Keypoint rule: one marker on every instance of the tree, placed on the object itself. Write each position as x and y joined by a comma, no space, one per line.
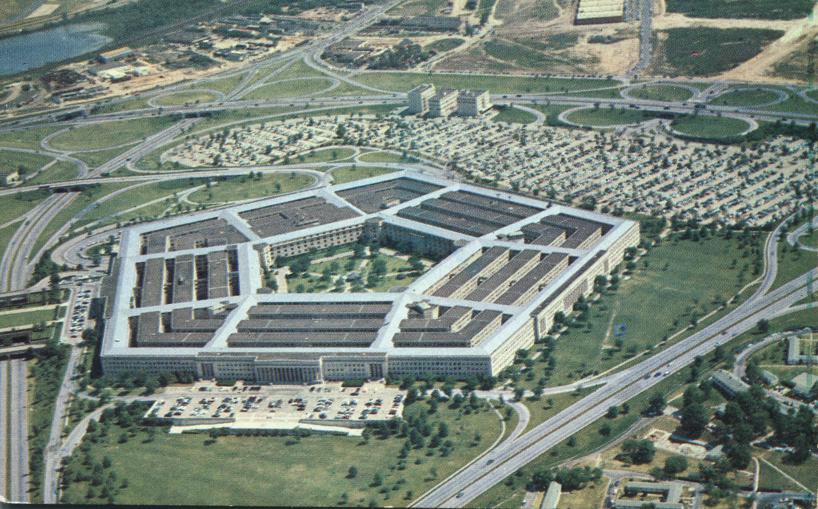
675,465
694,420
763,325
656,405
613,412
638,451
352,473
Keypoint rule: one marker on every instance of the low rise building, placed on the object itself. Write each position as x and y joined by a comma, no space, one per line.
803,384
801,350
728,383
552,497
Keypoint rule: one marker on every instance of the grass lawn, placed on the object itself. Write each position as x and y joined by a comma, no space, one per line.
58,172
271,470
418,8
795,104
136,196
513,115
745,97
667,93
5,237
97,158
22,317
792,263
552,112
381,157
607,117
703,126
86,198
771,479
806,473
761,9
223,85
403,81
26,138
325,155
192,96
14,206
443,45
244,188
687,277
702,51
290,88
130,104
109,134
588,497
15,161
548,406
351,173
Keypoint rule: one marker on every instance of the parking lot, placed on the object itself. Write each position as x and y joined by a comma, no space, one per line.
207,405
79,310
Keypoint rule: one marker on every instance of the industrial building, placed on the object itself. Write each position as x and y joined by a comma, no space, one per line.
189,291
600,11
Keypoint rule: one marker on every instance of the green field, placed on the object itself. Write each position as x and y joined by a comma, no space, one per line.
418,8
109,134
403,81
514,115
22,162
325,155
271,471
194,97
98,157
745,97
443,45
26,138
607,117
65,215
14,206
5,237
290,88
58,172
795,104
668,93
351,173
761,9
135,197
702,51
681,283
552,112
24,318
129,104
793,262
243,188
701,126
381,157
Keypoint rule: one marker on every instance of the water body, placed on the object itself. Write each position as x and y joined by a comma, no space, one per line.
21,53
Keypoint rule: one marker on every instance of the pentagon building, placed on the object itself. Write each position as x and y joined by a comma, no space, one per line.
189,293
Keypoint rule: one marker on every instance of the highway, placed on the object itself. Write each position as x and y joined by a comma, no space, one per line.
4,431
18,433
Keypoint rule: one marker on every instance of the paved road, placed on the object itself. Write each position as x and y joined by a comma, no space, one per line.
18,433
4,432
645,37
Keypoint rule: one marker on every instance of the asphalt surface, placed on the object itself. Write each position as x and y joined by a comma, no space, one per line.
4,432
18,433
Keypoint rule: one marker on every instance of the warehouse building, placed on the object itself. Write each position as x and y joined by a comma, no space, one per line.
189,293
